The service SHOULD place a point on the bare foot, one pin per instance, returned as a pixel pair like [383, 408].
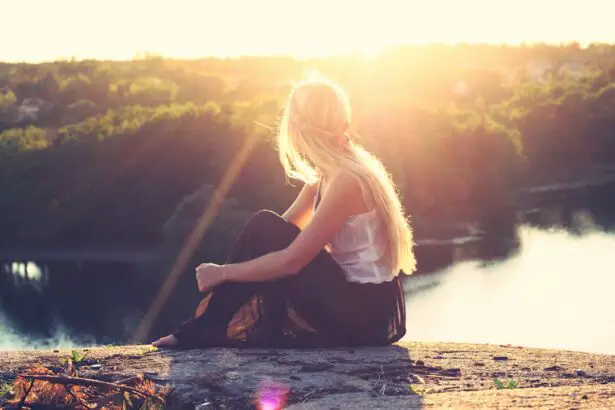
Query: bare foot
[169, 340]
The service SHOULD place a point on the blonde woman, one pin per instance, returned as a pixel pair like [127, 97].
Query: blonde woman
[325, 273]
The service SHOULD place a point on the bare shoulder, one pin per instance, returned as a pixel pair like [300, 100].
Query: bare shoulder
[344, 181]
[345, 187]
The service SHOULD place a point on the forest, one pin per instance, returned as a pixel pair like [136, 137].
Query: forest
[102, 153]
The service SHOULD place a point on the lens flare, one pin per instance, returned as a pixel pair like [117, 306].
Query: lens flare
[271, 396]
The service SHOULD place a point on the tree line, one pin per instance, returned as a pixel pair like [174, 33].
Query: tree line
[102, 152]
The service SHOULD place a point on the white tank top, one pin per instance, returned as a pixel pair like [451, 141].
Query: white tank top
[358, 249]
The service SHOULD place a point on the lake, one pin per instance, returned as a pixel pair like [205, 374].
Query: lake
[551, 288]
[555, 293]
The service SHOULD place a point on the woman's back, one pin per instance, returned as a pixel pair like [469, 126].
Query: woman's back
[358, 247]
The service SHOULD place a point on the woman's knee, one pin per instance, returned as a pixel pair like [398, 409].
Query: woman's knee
[269, 230]
[268, 222]
[265, 216]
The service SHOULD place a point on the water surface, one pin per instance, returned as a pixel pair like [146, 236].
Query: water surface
[549, 287]
[557, 292]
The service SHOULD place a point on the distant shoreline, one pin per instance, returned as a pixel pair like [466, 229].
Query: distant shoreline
[147, 255]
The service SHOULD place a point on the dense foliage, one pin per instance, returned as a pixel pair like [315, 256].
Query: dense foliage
[98, 152]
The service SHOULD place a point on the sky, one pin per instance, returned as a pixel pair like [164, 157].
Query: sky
[43, 30]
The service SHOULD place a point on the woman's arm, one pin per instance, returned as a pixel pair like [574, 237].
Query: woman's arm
[302, 209]
[331, 214]
[342, 199]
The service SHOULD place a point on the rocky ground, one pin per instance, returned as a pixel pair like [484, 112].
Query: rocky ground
[404, 376]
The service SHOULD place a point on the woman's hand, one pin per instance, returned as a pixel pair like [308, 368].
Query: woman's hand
[208, 276]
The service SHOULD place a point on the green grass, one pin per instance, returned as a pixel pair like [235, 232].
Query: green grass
[149, 349]
[5, 389]
[510, 384]
[76, 358]
[418, 391]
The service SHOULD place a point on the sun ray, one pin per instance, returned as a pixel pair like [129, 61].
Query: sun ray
[193, 240]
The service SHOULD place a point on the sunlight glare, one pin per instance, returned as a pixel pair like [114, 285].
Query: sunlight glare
[300, 28]
[555, 294]
[27, 270]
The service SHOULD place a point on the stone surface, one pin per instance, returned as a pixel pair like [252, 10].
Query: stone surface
[418, 375]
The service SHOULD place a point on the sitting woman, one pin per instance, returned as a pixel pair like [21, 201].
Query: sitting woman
[325, 273]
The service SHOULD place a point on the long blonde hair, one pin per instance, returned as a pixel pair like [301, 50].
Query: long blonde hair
[315, 139]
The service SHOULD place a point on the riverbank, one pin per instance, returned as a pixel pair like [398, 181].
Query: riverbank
[417, 375]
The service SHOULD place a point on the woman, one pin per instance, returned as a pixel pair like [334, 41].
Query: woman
[325, 273]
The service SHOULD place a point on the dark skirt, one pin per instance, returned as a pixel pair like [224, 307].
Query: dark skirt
[316, 307]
